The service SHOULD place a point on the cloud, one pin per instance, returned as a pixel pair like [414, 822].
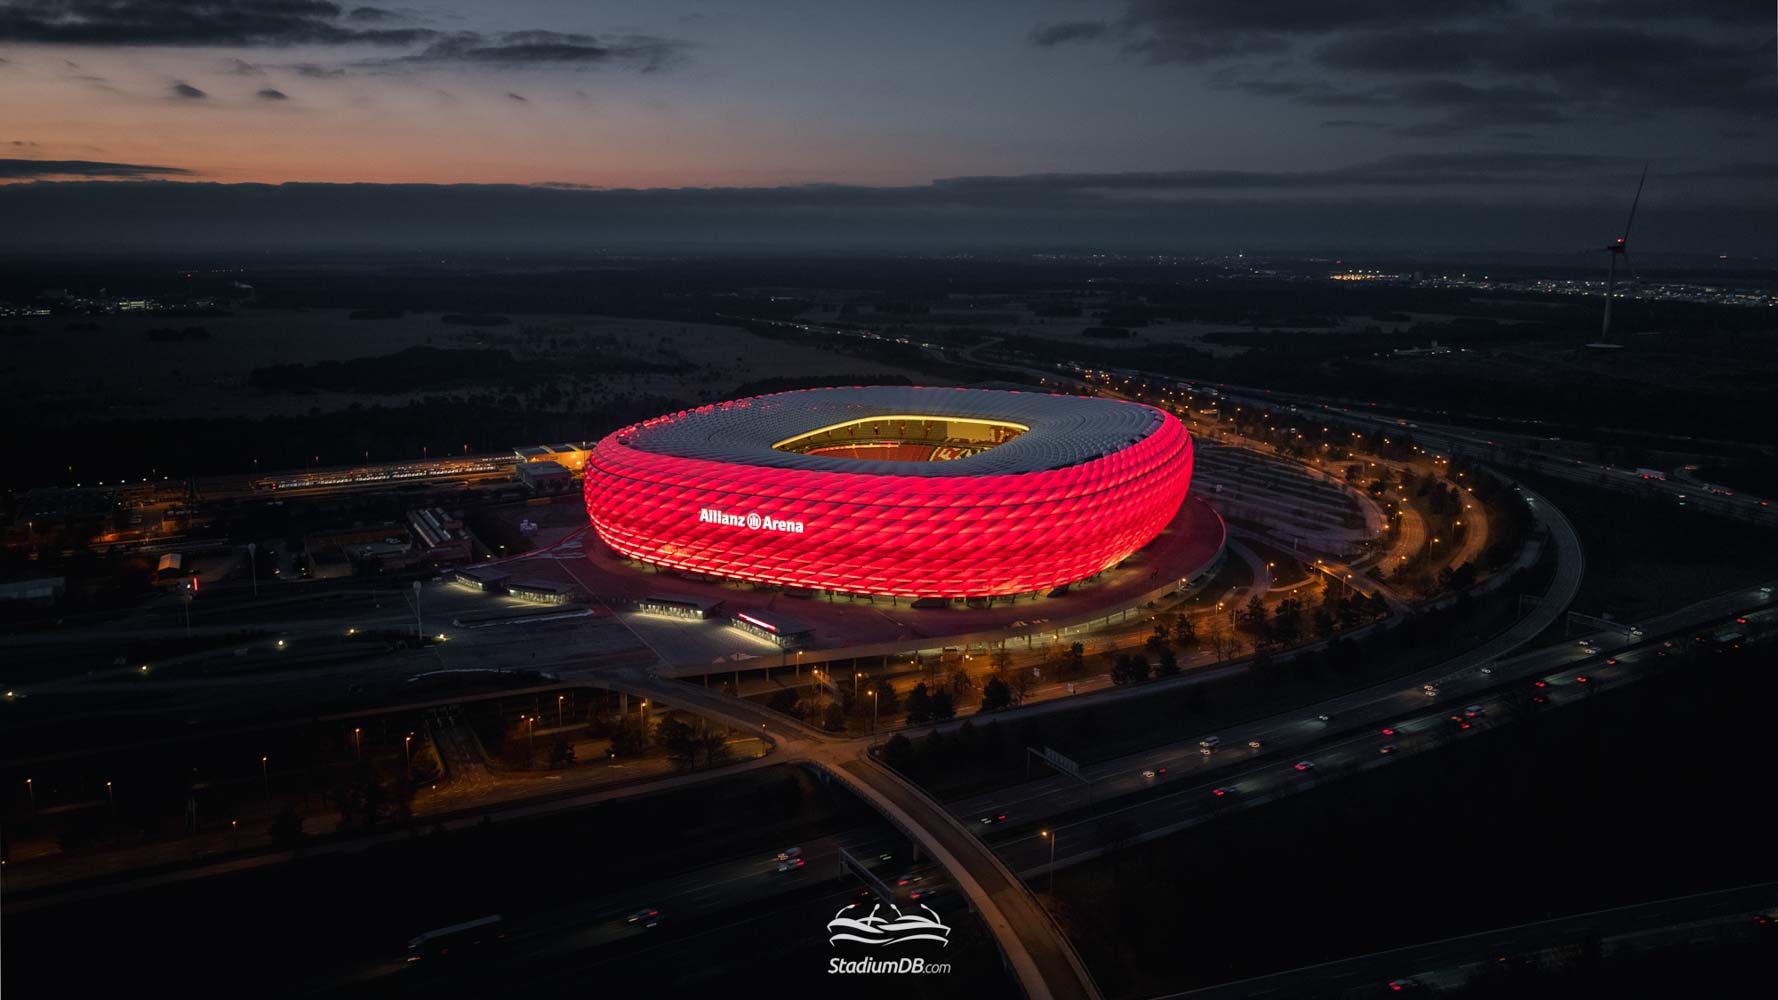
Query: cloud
[14, 169]
[1045, 36]
[522, 99]
[241, 67]
[1352, 123]
[316, 71]
[186, 91]
[269, 94]
[1163, 31]
[191, 22]
[535, 48]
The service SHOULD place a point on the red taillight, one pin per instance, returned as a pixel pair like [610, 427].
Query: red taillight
[1388, 732]
[1541, 684]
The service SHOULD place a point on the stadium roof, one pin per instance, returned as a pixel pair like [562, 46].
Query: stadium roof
[1062, 431]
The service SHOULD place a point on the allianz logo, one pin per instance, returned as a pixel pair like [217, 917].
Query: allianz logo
[752, 522]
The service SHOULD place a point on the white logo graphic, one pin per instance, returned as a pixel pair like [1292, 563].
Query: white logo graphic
[752, 522]
[878, 930]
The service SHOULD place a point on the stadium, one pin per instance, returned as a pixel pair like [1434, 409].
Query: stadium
[896, 491]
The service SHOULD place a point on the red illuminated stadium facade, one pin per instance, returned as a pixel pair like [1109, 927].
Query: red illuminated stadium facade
[911, 492]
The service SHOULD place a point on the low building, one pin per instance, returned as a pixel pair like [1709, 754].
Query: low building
[545, 478]
[42, 591]
[788, 633]
[485, 578]
[679, 606]
[540, 591]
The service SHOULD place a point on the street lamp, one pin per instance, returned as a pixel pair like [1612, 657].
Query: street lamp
[265, 777]
[253, 562]
[407, 756]
[855, 677]
[31, 793]
[357, 741]
[559, 699]
[111, 797]
[873, 710]
[1045, 834]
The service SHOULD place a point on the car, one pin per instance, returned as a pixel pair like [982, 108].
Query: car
[1740, 621]
[1209, 744]
[1222, 790]
[644, 918]
[1540, 683]
[1637, 632]
[1611, 662]
[1254, 744]
[1303, 765]
[789, 852]
[1387, 730]
[1430, 689]
[1149, 774]
[1324, 717]
[1472, 711]
[1387, 748]
[994, 818]
[1582, 679]
[926, 893]
[1487, 671]
[1589, 648]
[910, 879]
[794, 864]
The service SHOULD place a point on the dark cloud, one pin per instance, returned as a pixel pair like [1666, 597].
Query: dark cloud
[1634, 67]
[1736, 12]
[522, 99]
[534, 48]
[1047, 35]
[365, 15]
[1182, 31]
[192, 22]
[241, 67]
[1352, 123]
[315, 71]
[269, 94]
[186, 91]
[14, 170]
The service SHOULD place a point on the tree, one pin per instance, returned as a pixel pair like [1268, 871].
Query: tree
[1287, 620]
[1074, 661]
[1185, 631]
[1001, 661]
[995, 695]
[679, 741]
[1253, 616]
[898, 753]
[919, 705]
[286, 829]
[561, 754]
[787, 702]
[943, 706]
[629, 740]
[1022, 683]
[833, 718]
[1130, 668]
[888, 702]
[1169, 666]
[1323, 622]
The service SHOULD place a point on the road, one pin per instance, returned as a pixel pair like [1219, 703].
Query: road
[1379, 969]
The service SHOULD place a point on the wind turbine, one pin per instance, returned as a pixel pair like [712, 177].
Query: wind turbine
[1620, 248]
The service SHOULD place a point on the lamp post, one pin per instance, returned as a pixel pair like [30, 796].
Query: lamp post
[559, 699]
[253, 563]
[31, 793]
[407, 756]
[111, 798]
[265, 777]
[419, 630]
[855, 677]
[873, 710]
[1047, 835]
[358, 742]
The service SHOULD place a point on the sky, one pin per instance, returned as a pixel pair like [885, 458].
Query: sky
[1082, 118]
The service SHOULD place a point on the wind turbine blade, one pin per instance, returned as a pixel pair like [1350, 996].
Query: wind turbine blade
[1636, 201]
